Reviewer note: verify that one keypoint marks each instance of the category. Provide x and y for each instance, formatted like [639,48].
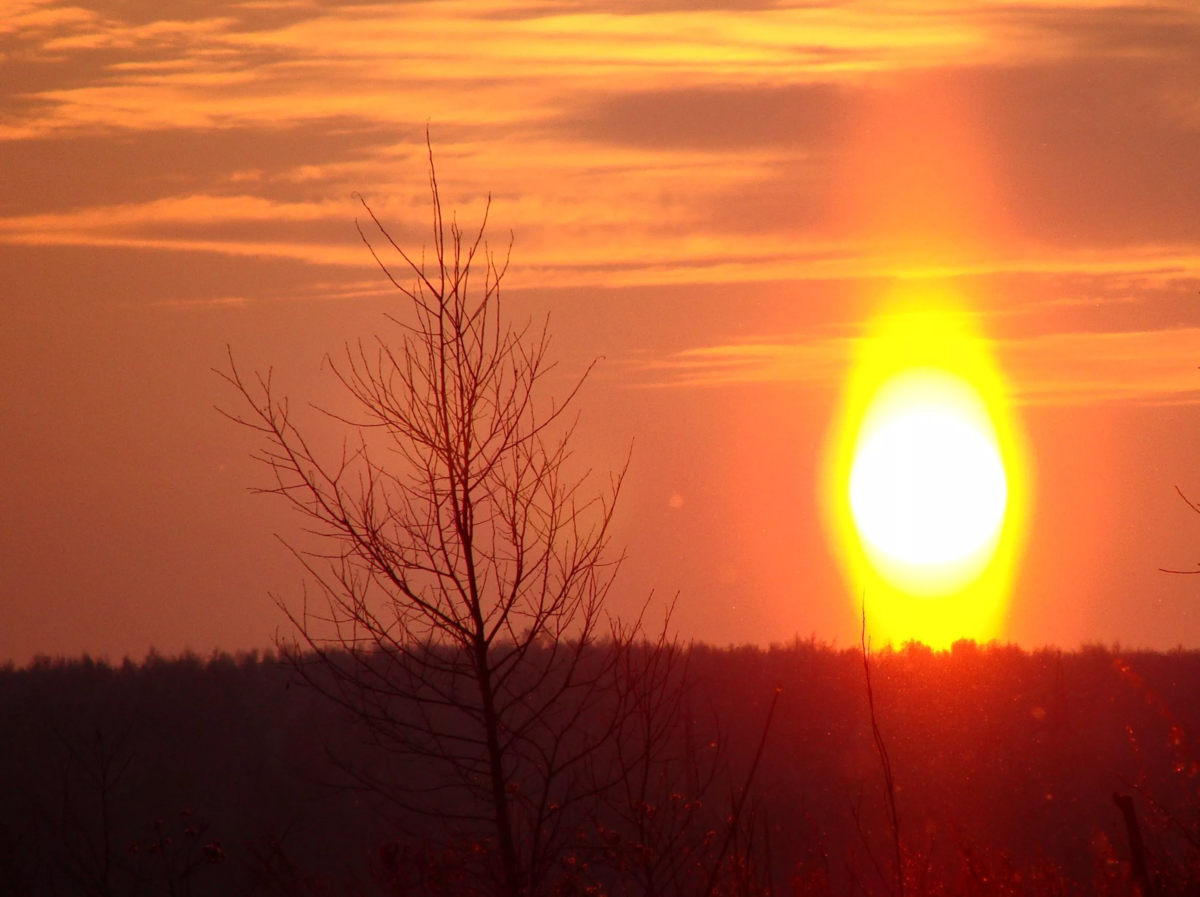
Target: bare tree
[461,571]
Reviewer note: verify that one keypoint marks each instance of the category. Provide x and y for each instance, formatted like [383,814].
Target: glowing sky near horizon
[715,197]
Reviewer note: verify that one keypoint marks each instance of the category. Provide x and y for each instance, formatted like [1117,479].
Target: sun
[927,485]
[927,481]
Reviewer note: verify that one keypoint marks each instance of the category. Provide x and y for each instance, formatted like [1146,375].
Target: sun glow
[927,489]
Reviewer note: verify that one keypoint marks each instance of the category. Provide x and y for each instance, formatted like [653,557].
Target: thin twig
[740,803]
[884,760]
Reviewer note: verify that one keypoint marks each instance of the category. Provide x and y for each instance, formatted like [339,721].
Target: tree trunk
[512,883]
[1137,850]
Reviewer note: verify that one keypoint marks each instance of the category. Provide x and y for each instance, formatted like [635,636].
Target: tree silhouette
[460,569]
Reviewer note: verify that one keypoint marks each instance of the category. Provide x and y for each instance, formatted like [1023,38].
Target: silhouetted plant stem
[767,845]
[740,802]
[1137,849]
[884,760]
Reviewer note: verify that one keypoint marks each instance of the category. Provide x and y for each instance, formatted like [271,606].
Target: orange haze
[716,200]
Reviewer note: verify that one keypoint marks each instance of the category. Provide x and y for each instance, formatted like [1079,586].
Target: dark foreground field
[227,776]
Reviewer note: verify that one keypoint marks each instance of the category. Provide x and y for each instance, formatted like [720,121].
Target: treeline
[227,775]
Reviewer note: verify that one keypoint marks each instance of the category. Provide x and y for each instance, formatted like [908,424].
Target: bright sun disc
[927,483]
[927,486]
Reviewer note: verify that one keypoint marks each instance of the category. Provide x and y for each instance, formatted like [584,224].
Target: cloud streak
[1080,368]
[628,144]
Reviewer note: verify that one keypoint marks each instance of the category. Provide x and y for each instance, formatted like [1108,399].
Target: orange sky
[713,196]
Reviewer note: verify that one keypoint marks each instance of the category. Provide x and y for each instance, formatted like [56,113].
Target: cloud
[196,223]
[1096,151]
[626,144]
[64,172]
[1147,367]
[40,16]
[463,60]
[798,117]
[195,209]
[1152,366]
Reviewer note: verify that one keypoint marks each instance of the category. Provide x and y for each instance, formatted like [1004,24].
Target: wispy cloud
[1149,367]
[563,241]
[38,18]
[488,61]
[627,143]
[196,209]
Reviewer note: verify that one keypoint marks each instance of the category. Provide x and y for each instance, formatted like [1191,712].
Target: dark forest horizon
[1004,764]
